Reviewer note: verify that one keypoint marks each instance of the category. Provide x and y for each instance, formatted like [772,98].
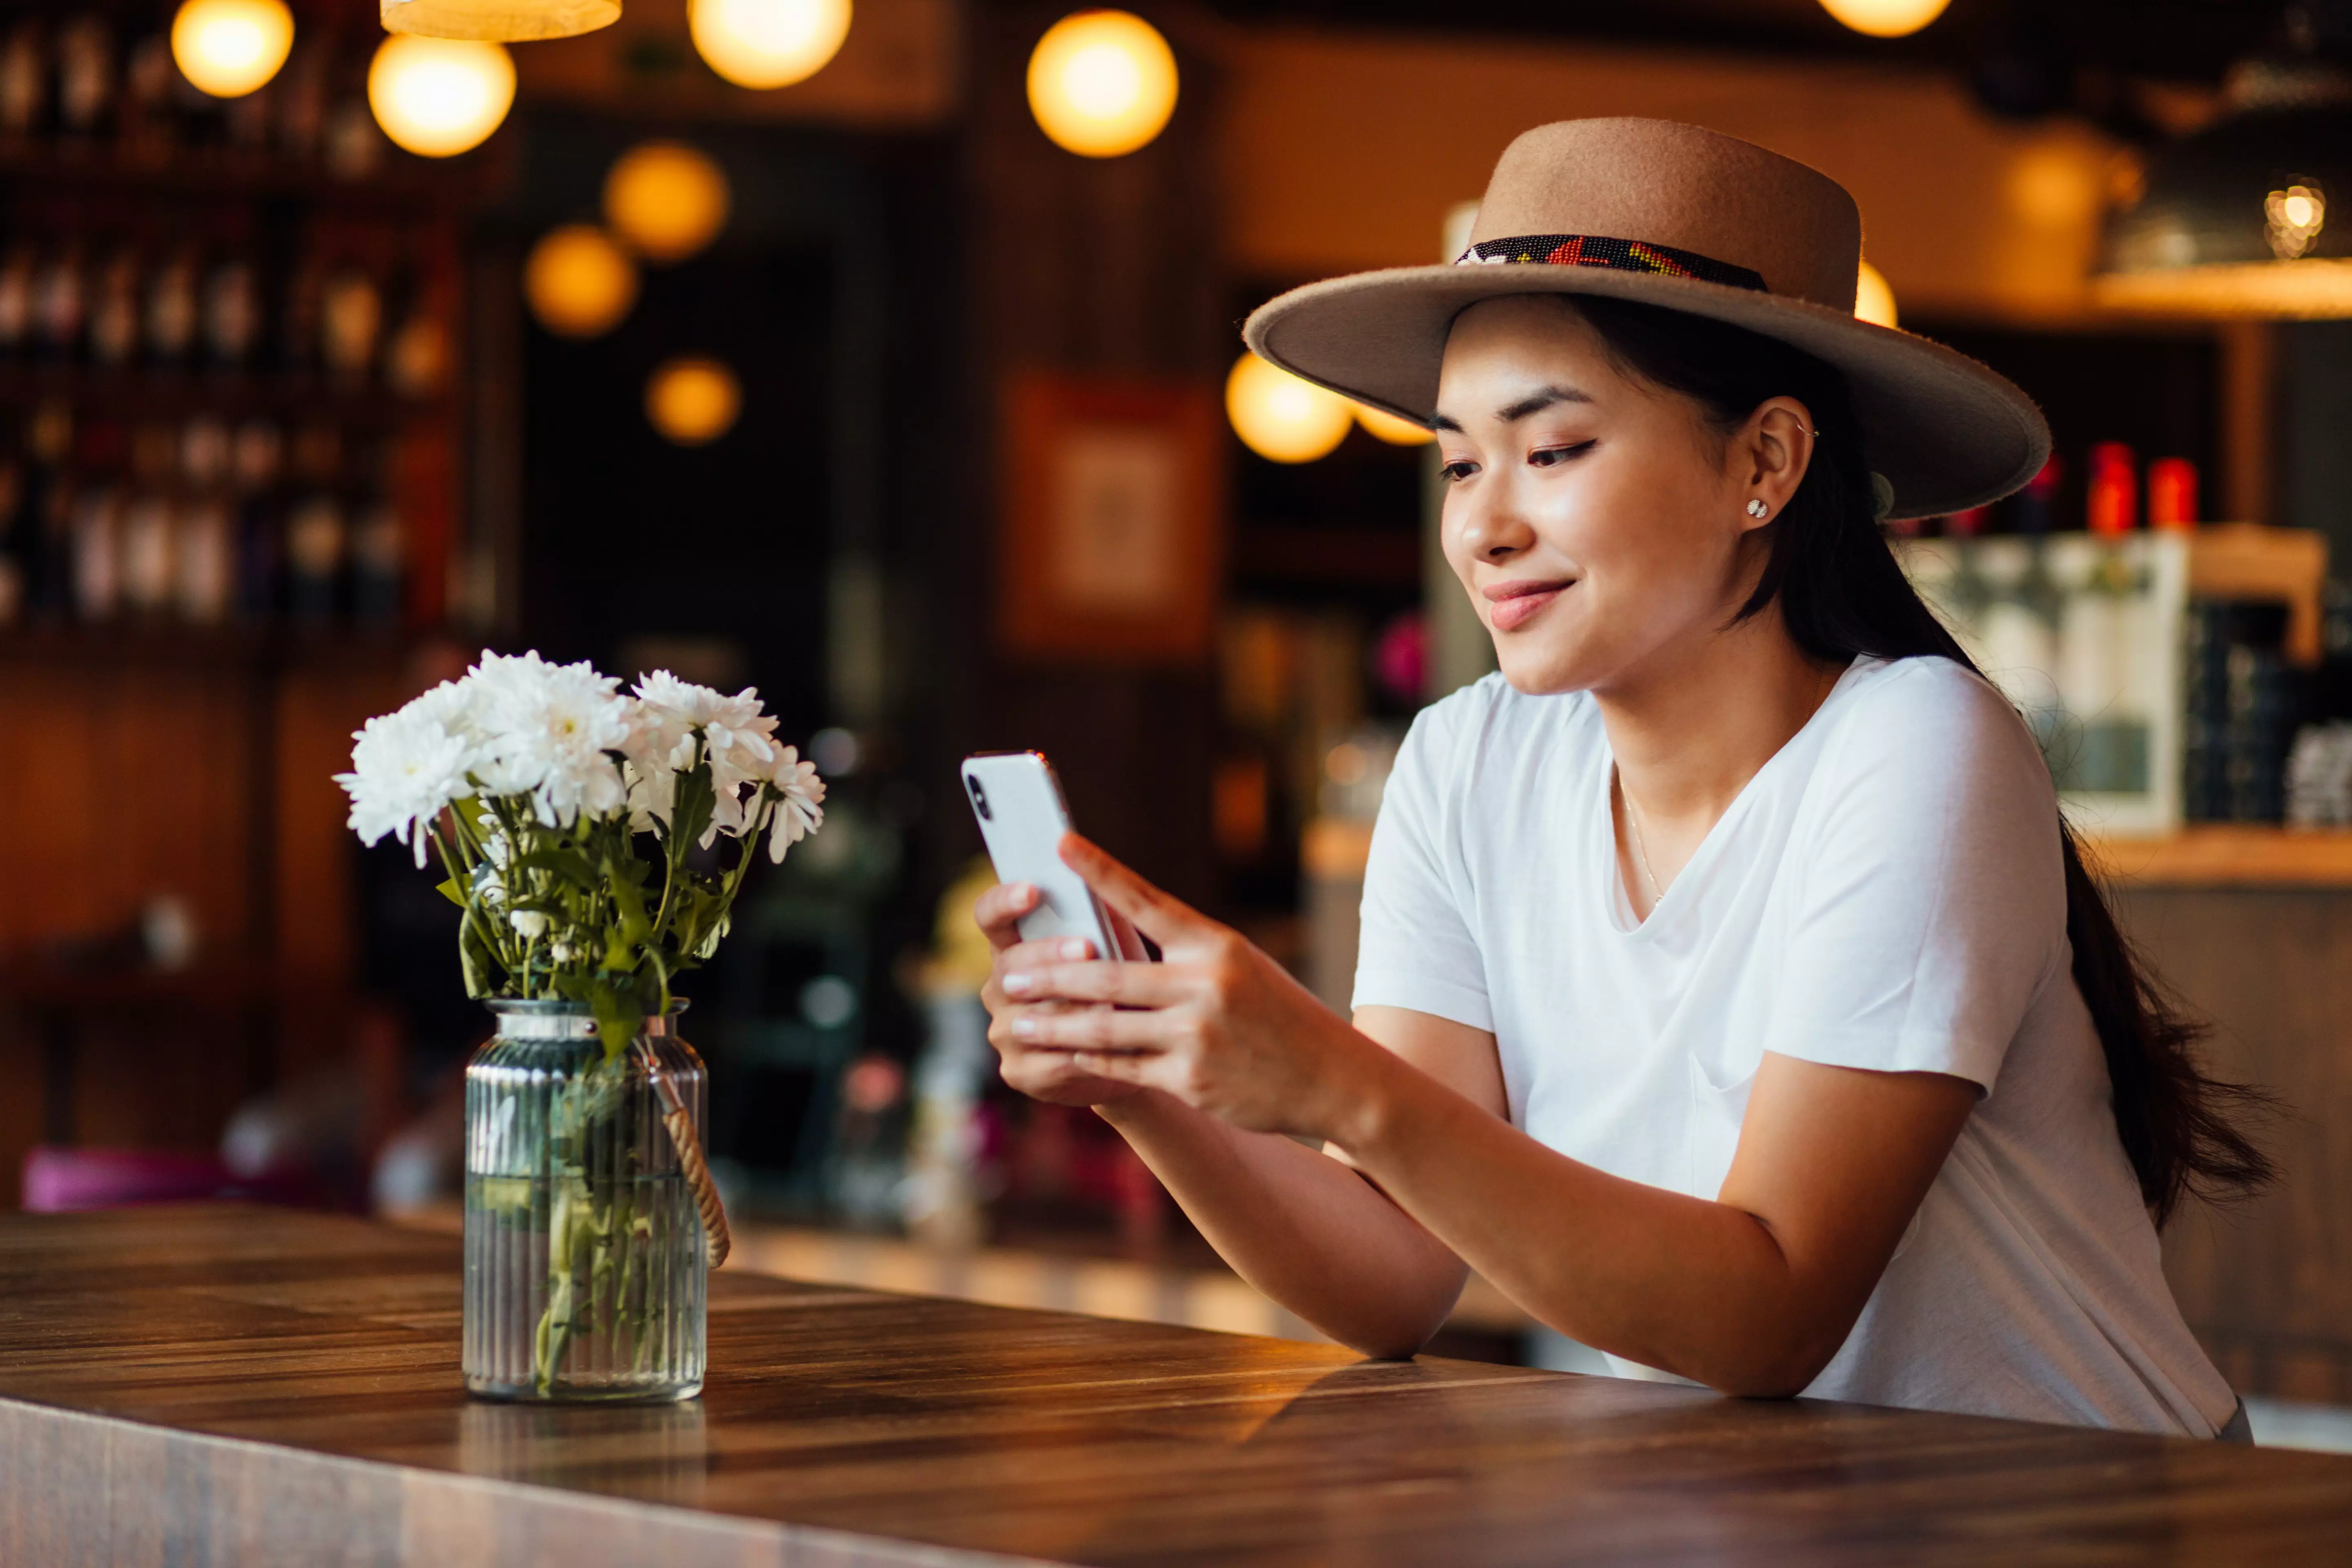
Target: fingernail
[1074,947]
[1015,984]
[1025,1027]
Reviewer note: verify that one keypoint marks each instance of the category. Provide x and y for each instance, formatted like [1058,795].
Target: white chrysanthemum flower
[551,730]
[531,923]
[653,792]
[406,767]
[738,740]
[800,810]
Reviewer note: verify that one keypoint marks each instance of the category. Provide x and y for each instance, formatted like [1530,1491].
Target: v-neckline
[1621,917]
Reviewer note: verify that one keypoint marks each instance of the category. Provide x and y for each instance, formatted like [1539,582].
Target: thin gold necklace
[1640,849]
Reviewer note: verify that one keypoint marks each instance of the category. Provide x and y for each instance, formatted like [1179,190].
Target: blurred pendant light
[580,284]
[1396,432]
[1102,83]
[229,47]
[667,199]
[1885,18]
[1280,416]
[2251,216]
[439,97]
[497,21]
[1874,301]
[693,401]
[767,43]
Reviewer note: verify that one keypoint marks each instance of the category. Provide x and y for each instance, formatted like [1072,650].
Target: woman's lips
[1516,604]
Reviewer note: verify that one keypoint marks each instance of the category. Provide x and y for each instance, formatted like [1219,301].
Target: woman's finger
[1155,914]
[1089,1028]
[999,909]
[1122,984]
[1043,954]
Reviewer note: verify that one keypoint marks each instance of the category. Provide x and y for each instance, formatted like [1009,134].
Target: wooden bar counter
[219,1385]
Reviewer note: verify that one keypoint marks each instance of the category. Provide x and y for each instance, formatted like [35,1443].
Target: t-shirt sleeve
[1931,906]
[1416,949]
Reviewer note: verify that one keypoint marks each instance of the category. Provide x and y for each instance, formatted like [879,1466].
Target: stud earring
[1756,507]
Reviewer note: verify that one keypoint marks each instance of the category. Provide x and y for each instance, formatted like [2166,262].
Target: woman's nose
[1490,530]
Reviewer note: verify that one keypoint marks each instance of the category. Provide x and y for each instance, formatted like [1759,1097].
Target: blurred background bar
[885,357]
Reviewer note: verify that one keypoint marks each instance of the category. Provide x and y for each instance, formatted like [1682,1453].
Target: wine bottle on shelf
[352,146]
[48,509]
[24,82]
[172,308]
[114,311]
[61,302]
[317,537]
[379,548]
[352,325]
[299,313]
[146,121]
[18,269]
[256,467]
[301,89]
[204,540]
[150,572]
[84,78]
[416,355]
[98,536]
[232,309]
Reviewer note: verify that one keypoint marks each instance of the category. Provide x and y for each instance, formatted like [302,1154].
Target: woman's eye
[1459,470]
[1545,456]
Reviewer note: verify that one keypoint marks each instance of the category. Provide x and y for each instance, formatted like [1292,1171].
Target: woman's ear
[1776,448]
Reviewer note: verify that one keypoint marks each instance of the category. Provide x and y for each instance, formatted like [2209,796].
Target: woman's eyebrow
[1534,403]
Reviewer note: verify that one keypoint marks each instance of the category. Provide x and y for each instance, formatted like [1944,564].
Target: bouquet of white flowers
[567,817]
[553,801]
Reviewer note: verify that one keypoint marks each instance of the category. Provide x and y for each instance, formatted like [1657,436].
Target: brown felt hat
[1675,216]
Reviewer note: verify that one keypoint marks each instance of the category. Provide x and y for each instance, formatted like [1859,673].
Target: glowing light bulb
[693,401]
[229,47]
[1874,301]
[667,199]
[1885,18]
[1280,416]
[439,97]
[767,43]
[508,21]
[580,284]
[1102,83]
[1396,432]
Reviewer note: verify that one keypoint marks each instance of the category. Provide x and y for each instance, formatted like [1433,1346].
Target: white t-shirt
[1886,893]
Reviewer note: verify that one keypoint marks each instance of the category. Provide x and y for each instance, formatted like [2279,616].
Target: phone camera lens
[979,798]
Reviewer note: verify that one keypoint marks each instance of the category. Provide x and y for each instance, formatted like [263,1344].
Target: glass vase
[585,1262]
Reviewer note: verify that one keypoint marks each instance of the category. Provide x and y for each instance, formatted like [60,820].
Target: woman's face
[1598,523]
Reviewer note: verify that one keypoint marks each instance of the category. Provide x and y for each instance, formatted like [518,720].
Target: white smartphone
[1021,818]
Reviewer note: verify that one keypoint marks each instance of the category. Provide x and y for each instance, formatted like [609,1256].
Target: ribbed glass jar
[584,1254]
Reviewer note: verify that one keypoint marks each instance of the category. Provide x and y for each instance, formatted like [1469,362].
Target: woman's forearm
[1302,1227]
[1697,1288]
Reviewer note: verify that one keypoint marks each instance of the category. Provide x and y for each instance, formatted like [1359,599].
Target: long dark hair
[1841,593]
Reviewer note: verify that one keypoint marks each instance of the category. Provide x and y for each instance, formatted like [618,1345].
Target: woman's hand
[1216,1022]
[1047,1075]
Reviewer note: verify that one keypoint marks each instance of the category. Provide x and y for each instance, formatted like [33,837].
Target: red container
[2172,493]
[2113,489]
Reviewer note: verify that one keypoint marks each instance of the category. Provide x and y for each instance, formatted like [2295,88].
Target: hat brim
[1947,431]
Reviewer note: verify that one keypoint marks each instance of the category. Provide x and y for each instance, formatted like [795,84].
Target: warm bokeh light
[1278,416]
[2310,289]
[1885,18]
[693,401]
[507,21]
[439,97]
[1396,432]
[1102,83]
[767,43]
[580,284]
[1874,301]
[667,199]
[229,47]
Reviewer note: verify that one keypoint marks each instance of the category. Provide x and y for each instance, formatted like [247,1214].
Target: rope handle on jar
[690,1163]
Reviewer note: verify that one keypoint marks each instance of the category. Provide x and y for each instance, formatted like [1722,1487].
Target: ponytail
[1842,594]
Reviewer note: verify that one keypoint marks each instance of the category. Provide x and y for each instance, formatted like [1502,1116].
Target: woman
[1731,994]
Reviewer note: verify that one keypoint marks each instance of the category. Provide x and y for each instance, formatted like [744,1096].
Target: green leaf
[618,1017]
[451,891]
[568,864]
[477,958]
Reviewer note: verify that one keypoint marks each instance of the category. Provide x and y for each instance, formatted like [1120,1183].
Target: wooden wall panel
[2267,1284]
